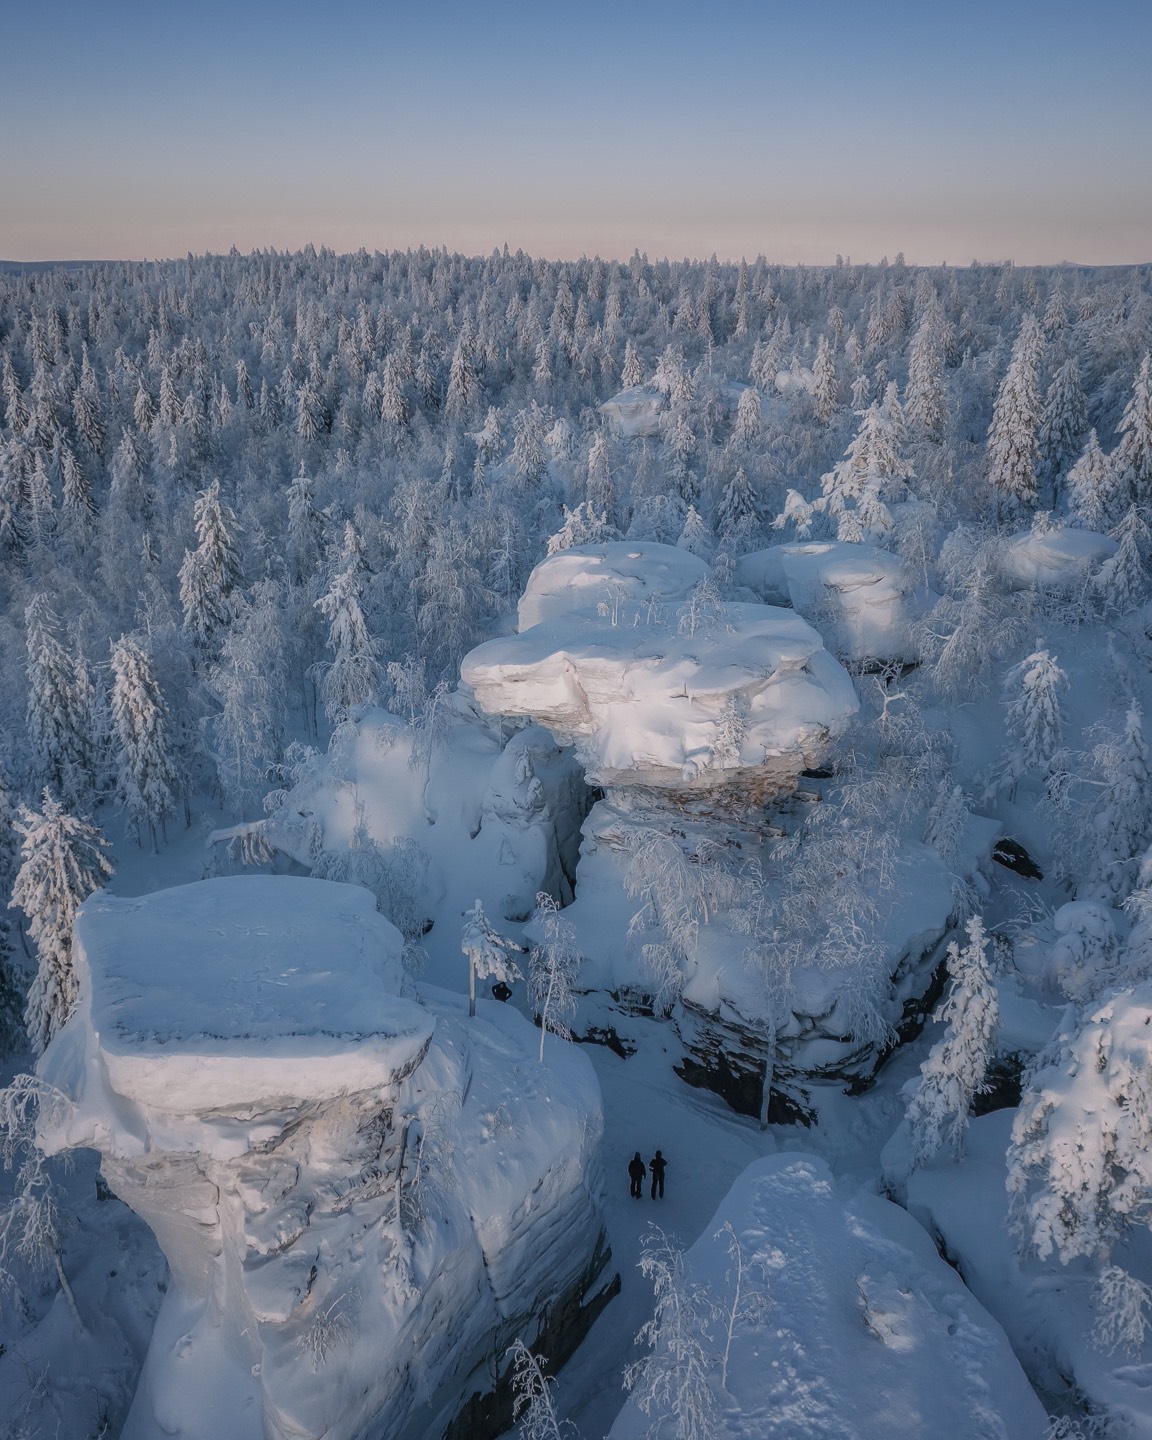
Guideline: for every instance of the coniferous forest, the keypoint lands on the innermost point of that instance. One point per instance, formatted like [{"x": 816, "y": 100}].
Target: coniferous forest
[{"x": 745, "y": 666}]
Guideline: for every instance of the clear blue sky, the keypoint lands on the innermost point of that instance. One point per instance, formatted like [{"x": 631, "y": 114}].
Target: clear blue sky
[{"x": 951, "y": 132}]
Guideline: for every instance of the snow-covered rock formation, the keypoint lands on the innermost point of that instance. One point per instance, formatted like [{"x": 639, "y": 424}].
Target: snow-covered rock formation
[
  {"x": 659, "y": 690},
  {"x": 694, "y": 714},
  {"x": 1059, "y": 558},
  {"x": 432, "y": 819},
  {"x": 636, "y": 412},
  {"x": 861, "y": 595},
  {"x": 363, "y": 1199},
  {"x": 834, "y": 1316}
]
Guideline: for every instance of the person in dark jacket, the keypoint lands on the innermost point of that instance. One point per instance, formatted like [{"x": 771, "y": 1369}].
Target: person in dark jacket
[
  {"x": 636, "y": 1173},
  {"x": 656, "y": 1165}
]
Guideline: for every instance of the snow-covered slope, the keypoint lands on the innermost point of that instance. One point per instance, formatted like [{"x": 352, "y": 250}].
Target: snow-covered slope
[
  {"x": 847, "y": 1324},
  {"x": 342, "y": 1180}
]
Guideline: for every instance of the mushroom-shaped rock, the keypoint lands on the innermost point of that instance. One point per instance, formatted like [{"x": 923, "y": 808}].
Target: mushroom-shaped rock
[{"x": 709, "y": 696}]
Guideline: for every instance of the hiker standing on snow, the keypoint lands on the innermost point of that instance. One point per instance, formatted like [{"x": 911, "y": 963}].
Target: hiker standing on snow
[
  {"x": 636, "y": 1173},
  {"x": 656, "y": 1165}
]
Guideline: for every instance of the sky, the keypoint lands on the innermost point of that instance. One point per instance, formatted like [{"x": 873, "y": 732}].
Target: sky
[{"x": 799, "y": 130}]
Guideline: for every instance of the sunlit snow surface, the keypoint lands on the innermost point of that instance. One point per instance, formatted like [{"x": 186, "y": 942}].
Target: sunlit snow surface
[
  {"x": 867, "y": 1333},
  {"x": 246, "y": 989},
  {"x": 1056, "y": 559}
]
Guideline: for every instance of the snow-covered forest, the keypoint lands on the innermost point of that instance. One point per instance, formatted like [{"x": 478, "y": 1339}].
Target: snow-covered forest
[{"x": 745, "y": 666}]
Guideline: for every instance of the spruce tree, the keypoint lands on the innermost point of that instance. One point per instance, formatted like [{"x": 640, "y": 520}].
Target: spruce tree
[
  {"x": 211, "y": 572},
  {"x": 59, "y": 706},
  {"x": 1013, "y": 447},
  {"x": 925, "y": 397},
  {"x": 956, "y": 1067},
  {"x": 354, "y": 675},
  {"x": 1093, "y": 488},
  {"x": 146, "y": 779},
  {"x": 63, "y": 862},
  {"x": 1134, "y": 453}
]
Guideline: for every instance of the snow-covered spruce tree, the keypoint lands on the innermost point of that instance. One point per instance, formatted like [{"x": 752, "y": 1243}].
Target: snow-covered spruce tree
[
  {"x": 249, "y": 684},
  {"x": 947, "y": 821},
  {"x": 1094, "y": 488},
  {"x": 956, "y": 1067},
  {"x": 463, "y": 384},
  {"x": 1122, "y": 582},
  {"x": 672, "y": 1383},
  {"x": 63, "y": 862},
  {"x": 354, "y": 676},
  {"x": 1133, "y": 457},
  {"x": 59, "y": 714},
  {"x": 824, "y": 387},
  {"x": 1080, "y": 1161},
  {"x": 489, "y": 953},
  {"x": 731, "y": 729},
  {"x": 146, "y": 779},
  {"x": 553, "y": 970},
  {"x": 304, "y": 541},
  {"x": 1013, "y": 447},
  {"x": 211, "y": 572},
  {"x": 1034, "y": 717},
  {"x": 925, "y": 396},
  {"x": 1124, "y": 818},
  {"x": 871, "y": 472},
  {"x": 736, "y": 514},
  {"x": 749, "y": 417},
  {"x": 1061, "y": 424},
  {"x": 967, "y": 630},
  {"x": 696, "y": 537},
  {"x": 601, "y": 488}
]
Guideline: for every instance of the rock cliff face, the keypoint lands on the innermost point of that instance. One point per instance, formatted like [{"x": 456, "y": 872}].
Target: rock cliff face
[{"x": 363, "y": 1199}]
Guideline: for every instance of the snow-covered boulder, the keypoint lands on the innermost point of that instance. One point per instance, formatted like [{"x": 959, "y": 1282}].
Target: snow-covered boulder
[
  {"x": 860, "y": 595},
  {"x": 847, "y": 1322},
  {"x": 363, "y": 1200},
  {"x": 636, "y": 412},
  {"x": 629, "y": 578},
  {"x": 694, "y": 702},
  {"x": 432, "y": 821},
  {"x": 1056, "y": 559}
]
